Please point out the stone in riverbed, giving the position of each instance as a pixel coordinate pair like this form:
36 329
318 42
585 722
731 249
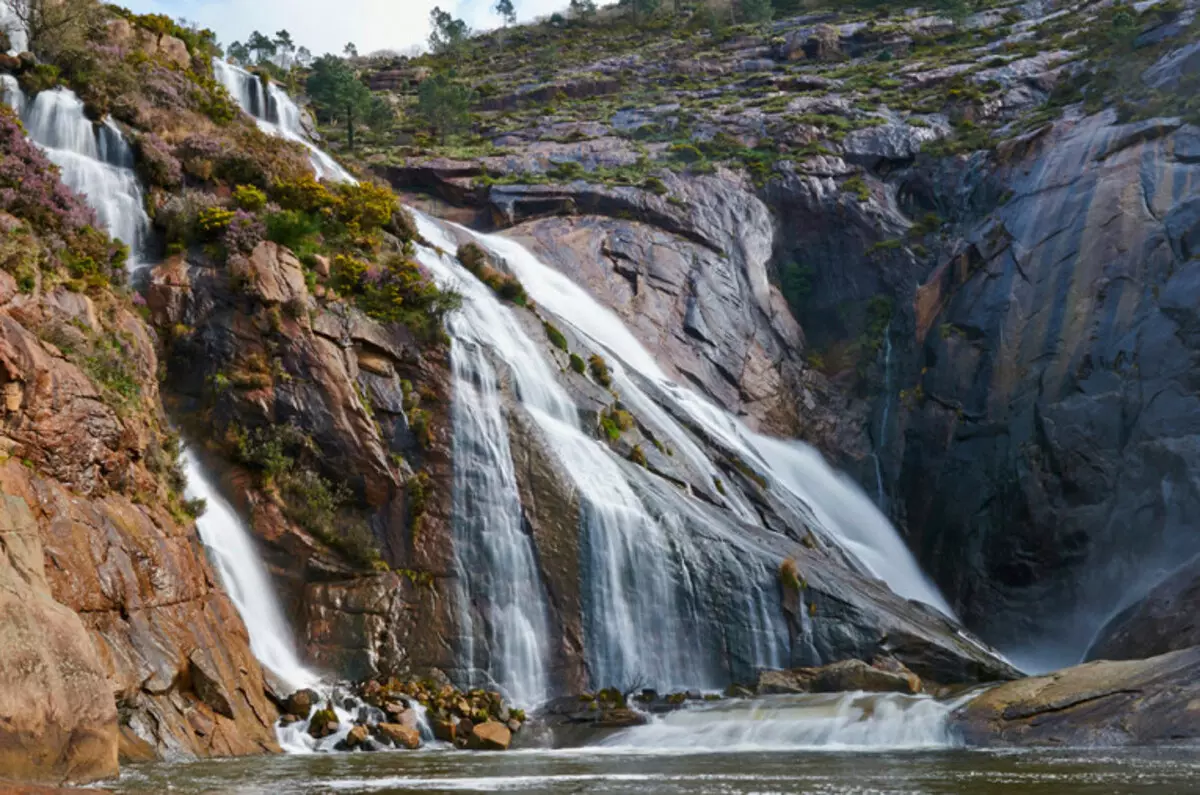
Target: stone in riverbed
490 736
399 736
1135 702
300 703
355 738
324 723
445 730
849 675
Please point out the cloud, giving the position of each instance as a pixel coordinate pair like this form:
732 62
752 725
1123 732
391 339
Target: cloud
327 25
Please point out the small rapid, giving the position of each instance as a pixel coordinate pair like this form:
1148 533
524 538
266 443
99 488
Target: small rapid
816 722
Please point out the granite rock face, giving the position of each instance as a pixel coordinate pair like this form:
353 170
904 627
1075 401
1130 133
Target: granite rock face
1166 619
1055 408
1098 704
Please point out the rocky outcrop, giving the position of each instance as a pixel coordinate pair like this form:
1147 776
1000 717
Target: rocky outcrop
1054 406
163 666
1103 704
1166 619
846 676
254 350
58 716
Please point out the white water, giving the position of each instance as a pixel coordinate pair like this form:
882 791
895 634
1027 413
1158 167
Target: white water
832 722
95 160
276 114
497 572
246 580
794 470
295 739
645 607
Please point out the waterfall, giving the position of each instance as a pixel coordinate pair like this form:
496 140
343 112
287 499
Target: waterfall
276 114
95 160
881 443
796 472
834 721
494 558
650 611
246 580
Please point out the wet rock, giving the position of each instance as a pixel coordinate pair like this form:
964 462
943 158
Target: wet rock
1164 620
444 730
1104 704
847 676
355 738
301 703
490 736
399 736
324 722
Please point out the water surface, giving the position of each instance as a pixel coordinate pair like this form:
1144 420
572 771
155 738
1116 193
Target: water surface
591 770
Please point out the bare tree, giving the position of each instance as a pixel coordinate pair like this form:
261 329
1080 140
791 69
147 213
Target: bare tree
48 24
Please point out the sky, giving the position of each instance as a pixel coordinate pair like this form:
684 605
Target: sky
327 25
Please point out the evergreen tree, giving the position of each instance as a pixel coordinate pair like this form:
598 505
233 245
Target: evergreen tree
448 33
444 105
262 47
350 51
506 11
284 48
336 90
238 53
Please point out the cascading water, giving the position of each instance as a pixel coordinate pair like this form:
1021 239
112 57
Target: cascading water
647 616
497 572
95 160
276 114
795 471
98 163
831 722
246 580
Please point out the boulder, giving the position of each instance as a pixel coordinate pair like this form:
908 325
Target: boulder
323 723
272 273
1166 619
399 736
1138 702
871 146
846 676
490 736
445 730
356 737
301 703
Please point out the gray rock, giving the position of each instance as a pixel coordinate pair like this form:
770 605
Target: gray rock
870 146
1164 620
1172 69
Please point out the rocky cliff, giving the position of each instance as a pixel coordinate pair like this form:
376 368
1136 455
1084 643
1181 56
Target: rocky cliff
987 269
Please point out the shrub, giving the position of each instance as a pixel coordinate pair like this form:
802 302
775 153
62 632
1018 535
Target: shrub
599 369
243 233
578 364
249 198
507 287
556 337
638 456
789 575
213 221
395 290
294 230
157 164
858 186
656 186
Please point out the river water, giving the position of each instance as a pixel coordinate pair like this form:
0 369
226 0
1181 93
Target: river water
945 772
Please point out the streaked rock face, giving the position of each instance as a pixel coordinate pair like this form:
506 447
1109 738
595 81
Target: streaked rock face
1166 619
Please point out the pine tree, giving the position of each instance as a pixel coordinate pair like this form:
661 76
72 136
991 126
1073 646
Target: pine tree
506 11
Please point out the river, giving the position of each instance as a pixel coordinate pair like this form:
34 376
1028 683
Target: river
954 772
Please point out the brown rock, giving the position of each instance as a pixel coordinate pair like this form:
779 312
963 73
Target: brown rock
207 685
490 736
272 273
58 720
445 730
356 736
400 736
168 291
846 676
301 703
1135 702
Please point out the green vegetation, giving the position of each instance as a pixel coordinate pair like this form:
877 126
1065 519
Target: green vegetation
599 370
338 93
578 364
506 286
445 106
556 337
